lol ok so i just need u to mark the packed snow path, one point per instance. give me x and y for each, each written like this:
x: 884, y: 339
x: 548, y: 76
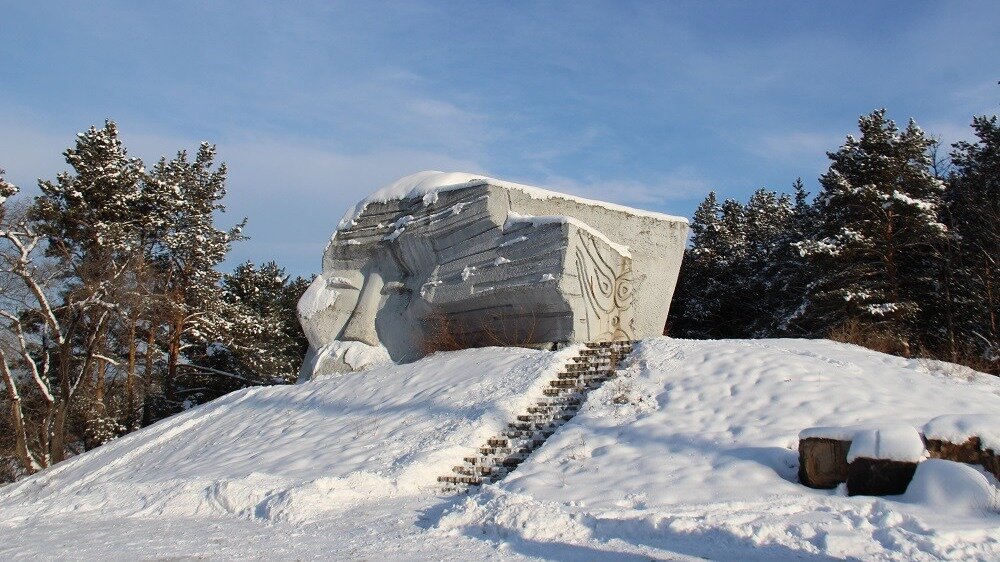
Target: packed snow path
x: 499, y: 455
x: 689, y: 452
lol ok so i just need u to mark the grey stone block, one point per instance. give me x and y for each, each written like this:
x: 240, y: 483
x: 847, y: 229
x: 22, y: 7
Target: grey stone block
x: 491, y: 263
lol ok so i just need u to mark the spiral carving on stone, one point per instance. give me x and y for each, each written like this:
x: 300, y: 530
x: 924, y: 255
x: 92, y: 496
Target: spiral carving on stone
x: 608, y: 288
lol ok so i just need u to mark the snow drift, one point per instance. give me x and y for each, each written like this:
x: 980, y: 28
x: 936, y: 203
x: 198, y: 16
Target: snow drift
x: 690, y: 452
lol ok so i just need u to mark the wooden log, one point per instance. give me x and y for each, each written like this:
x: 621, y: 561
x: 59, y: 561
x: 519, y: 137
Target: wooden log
x: 823, y: 462
x: 970, y: 452
x: 878, y: 477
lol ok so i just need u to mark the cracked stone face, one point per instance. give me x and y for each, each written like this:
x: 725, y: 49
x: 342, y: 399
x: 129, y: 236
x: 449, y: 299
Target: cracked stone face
x: 487, y: 263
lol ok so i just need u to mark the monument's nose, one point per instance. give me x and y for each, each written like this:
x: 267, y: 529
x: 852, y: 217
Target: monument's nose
x: 361, y: 325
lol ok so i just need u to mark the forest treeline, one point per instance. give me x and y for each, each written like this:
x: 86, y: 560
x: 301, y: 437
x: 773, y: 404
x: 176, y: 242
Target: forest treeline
x: 897, y: 252
x: 113, y: 314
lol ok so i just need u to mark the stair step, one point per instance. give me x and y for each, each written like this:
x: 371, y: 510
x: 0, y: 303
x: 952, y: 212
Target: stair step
x: 592, y: 359
x: 585, y: 374
x: 521, y: 426
x: 595, y: 344
x: 519, y: 434
x: 473, y: 470
x: 538, y: 408
x: 565, y: 383
x: 494, y: 451
x: 588, y: 365
x: 605, y: 352
x: 522, y: 437
x: 546, y: 418
x: 553, y: 410
x: 564, y: 401
x: 562, y: 393
x: 473, y: 480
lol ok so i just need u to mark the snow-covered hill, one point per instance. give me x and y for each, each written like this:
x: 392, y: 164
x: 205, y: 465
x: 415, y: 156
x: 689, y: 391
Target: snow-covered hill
x: 691, y: 452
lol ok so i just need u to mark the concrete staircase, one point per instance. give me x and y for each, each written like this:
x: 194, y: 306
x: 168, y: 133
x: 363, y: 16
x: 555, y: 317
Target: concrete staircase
x: 591, y: 367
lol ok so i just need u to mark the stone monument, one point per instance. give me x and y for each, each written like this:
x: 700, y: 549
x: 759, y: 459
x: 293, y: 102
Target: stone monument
x: 449, y: 260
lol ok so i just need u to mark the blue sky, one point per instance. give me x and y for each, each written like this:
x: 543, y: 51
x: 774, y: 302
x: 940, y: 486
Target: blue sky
x: 650, y: 104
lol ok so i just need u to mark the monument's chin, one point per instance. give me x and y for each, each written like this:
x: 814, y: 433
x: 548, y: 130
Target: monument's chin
x: 340, y: 357
x: 429, y: 264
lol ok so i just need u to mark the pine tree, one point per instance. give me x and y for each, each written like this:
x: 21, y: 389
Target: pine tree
x: 878, y: 227
x: 765, y: 267
x: 694, y: 306
x: 7, y: 189
x: 112, y: 262
x: 189, y: 195
x: 90, y: 219
x: 794, y: 276
x: 92, y: 212
x: 729, y: 286
x: 263, y: 341
x: 973, y: 209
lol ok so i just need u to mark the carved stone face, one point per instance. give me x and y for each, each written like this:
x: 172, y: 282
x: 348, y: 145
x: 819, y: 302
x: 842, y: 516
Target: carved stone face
x: 472, y: 266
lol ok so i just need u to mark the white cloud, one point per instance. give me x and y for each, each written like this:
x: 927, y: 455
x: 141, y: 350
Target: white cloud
x: 794, y: 146
x: 678, y: 185
x: 949, y: 132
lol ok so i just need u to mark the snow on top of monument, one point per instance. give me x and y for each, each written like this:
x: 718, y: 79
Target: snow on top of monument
x: 538, y: 220
x: 427, y: 183
x: 958, y: 428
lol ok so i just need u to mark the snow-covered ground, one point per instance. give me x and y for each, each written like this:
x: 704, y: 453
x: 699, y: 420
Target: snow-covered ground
x: 690, y: 453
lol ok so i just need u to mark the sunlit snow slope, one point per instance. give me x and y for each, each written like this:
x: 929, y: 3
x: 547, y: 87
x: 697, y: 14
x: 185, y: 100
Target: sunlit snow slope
x: 691, y: 452
x: 290, y: 452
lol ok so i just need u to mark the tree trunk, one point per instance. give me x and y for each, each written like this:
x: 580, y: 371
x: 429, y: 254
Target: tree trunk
x: 17, y: 420
x: 949, y: 304
x: 150, y: 345
x: 130, y: 395
x: 147, y: 380
x: 58, y: 431
x: 20, y: 437
x: 991, y: 304
x: 173, y: 357
x: 101, y: 373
